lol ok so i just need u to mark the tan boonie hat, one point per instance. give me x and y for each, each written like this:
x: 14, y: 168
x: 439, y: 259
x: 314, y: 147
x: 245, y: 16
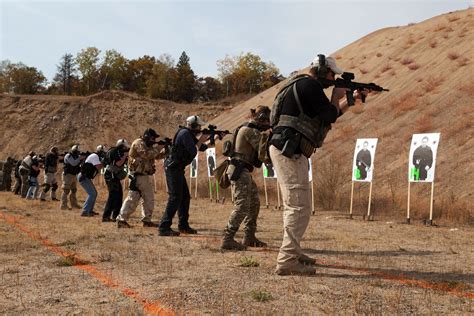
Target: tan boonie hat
x: 330, y: 62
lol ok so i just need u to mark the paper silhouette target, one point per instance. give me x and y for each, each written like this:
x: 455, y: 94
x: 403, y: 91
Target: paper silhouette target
x: 363, y: 163
x: 268, y: 171
x: 422, y: 158
x: 211, y: 161
x: 193, y: 169
x: 310, y: 170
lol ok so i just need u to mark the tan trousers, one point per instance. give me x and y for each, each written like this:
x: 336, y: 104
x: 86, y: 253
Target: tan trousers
x: 293, y: 179
x: 50, y: 182
x: 69, y: 186
x: 145, y: 187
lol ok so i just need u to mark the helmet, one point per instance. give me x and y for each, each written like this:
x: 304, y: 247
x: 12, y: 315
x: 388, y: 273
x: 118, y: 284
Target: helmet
x: 100, y: 148
x: 122, y: 142
x: 75, y: 148
x: 150, y: 133
x: 54, y: 149
x: 194, y: 121
x: 31, y: 154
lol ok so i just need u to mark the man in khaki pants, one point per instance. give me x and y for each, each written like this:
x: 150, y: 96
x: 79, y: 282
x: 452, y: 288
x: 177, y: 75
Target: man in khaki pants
x: 301, y: 117
x: 143, y: 153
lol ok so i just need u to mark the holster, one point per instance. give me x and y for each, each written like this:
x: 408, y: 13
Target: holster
x: 133, y: 183
x: 239, y: 166
x: 288, y: 142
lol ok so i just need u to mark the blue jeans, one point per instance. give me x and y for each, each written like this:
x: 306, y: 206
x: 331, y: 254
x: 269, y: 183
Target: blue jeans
x: 33, y: 186
x: 89, y: 187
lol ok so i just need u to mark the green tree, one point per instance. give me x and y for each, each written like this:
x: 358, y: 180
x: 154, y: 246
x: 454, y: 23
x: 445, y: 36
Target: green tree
x: 21, y: 79
x: 246, y: 73
x: 113, y: 70
x: 185, y: 80
x: 87, y: 63
x: 137, y: 73
x: 65, y: 78
x: 208, y: 89
x: 161, y: 83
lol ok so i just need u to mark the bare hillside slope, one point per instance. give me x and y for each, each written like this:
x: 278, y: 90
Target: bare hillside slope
x: 429, y: 69
x: 38, y: 122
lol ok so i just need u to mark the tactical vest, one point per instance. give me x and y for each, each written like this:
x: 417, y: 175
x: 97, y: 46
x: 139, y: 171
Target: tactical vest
x: 70, y: 169
x: 314, y: 129
x: 242, y: 149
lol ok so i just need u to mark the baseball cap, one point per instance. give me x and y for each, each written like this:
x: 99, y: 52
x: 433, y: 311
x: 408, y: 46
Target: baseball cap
x: 194, y: 119
x: 330, y: 62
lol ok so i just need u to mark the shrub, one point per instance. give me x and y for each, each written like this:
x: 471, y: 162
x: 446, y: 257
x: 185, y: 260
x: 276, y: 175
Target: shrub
x: 413, y: 66
x: 385, y: 68
x: 378, y: 54
x: 406, y: 61
x: 260, y: 295
x: 453, y: 55
x: 432, y: 83
x: 249, y: 262
x: 433, y: 43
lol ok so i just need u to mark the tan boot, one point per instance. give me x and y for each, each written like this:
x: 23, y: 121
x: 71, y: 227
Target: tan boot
x: 304, y: 259
x: 295, y: 268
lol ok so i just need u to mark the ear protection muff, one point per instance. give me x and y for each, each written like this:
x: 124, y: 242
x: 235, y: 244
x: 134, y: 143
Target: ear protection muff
x: 194, y: 125
x: 322, y: 67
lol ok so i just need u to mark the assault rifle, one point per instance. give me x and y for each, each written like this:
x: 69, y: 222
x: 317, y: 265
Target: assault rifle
x: 165, y: 142
x: 346, y: 82
x: 213, y: 132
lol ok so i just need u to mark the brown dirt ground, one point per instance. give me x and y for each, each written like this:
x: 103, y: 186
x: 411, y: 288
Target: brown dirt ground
x: 360, y: 265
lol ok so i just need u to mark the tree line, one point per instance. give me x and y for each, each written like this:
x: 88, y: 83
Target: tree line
x: 90, y: 71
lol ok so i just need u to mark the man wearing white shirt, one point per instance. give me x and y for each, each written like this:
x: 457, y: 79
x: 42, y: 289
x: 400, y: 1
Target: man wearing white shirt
x: 89, y: 170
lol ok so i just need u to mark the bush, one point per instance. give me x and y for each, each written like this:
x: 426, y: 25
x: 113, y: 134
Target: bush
x: 249, y: 262
x: 260, y: 295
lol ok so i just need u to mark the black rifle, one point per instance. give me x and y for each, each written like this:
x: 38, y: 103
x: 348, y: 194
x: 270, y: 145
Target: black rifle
x: 165, y: 142
x: 346, y: 82
x: 213, y: 132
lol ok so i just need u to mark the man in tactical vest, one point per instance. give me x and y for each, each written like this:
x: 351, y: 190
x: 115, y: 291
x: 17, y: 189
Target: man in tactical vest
x: 141, y: 162
x: 115, y: 162
x: 301, y: 117
x: 244, y: 158
x: 24, y: 170
x: 50, y: 168
x: 184, y: 148
x: 72, y: 167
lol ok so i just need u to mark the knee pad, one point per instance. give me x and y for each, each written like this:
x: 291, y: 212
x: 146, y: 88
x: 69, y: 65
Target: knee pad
x: 54, y: 187
x: 46, y: 187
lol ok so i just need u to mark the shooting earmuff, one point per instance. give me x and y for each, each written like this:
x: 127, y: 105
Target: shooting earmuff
x: 322, y: 67
x: 194, y: 124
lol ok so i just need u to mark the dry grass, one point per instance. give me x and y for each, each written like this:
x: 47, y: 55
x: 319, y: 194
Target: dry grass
x: 463, y: 61
x: 249, y: 262
x: 433, y: 43
x: 453, y: 18
x: 385, y: 68
x: 432, y: 83
x: 403, y: 104
x: 413, y: 66
x: 439, y: 27
x: 363, y: 71
x: 423, y: 124
x: 406, y: 61
x: 453, y: 55
x: 379, y: 55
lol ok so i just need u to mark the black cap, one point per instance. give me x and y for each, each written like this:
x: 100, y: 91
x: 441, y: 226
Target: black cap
x: 150, y: 133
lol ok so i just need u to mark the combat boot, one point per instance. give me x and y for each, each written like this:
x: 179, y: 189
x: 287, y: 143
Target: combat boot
x: 295, y: 268
x: 229, y: 243
x: 304, y: 259
x: 250, y: 240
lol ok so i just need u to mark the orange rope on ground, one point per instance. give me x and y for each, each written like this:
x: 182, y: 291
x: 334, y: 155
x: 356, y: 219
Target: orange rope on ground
x: 152, y: 308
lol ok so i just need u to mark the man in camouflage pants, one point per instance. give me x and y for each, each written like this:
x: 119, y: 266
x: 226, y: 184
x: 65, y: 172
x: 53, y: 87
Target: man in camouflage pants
x: 246, y: 199
x: 143, y: 153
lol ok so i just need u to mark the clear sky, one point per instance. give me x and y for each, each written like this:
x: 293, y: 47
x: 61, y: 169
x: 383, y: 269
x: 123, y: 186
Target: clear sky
x: 289, y: 33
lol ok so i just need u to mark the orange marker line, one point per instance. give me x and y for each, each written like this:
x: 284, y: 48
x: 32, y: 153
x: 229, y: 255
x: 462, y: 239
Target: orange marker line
x: 151, y: 308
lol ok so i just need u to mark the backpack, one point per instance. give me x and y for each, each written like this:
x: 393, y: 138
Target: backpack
x: 228, y: 147
x: 278, y: 102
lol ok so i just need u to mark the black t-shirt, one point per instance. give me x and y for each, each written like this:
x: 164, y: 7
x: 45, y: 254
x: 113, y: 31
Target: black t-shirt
x: 33, y: 172
x: 313, y: 100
